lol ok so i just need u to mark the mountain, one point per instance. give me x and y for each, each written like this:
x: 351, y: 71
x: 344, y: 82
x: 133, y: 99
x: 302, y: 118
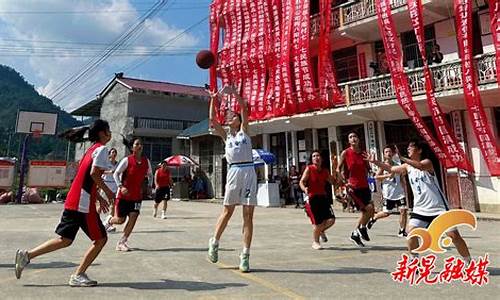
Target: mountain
x: 17, y: 94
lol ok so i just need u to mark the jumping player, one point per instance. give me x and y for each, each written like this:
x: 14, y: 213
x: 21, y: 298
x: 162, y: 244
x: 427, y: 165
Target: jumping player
x: 393, y: 192
x: 318, y: 207
x: 163, y: 182
x: 129, y: 176
x: 429, y: 200
x: 241, y: 185
x: 80, y: 209
x: 354, y: 169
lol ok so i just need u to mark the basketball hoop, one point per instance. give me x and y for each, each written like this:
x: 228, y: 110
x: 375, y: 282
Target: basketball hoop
x: 36, y: 134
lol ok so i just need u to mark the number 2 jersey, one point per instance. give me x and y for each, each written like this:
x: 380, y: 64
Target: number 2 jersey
x: 428, y: 199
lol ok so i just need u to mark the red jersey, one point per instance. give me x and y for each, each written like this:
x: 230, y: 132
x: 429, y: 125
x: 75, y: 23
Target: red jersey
x: 83, y: 191
x: 133, y: 178
x: 162, y: 177
x: 357, y: 171
x: 317, y: 181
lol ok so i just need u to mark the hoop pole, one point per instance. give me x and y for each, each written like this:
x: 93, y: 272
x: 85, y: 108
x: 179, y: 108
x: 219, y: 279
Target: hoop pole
x: 22, y: 171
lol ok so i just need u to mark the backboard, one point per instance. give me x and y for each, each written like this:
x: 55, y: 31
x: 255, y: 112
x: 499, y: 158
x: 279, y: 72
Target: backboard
x: 40, y: 122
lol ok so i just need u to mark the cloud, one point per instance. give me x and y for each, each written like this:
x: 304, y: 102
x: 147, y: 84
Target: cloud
x: 47, y: 73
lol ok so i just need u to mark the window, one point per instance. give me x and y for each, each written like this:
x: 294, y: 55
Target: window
x: 411, y: 53
x: 207, y: 156
x: 346, y: 64
x: 157, y: 149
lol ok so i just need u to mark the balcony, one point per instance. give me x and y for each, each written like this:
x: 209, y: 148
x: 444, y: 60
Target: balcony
x: 447, y: 78
x: 152, y: 123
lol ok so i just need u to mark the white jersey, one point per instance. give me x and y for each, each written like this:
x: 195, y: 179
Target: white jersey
x: 238, y: 148
x: 392, y: 189
x: 108, y: 178
x: 428, y: 199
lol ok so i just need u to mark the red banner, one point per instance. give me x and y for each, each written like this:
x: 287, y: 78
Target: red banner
x: 399, y: 79
x: 495, y: 32
x: 215, y: 12
x: 273, y: 95
x: 475, y: 109
x: 286, y: 104
x: 329, y: 92
x: 448, y: 140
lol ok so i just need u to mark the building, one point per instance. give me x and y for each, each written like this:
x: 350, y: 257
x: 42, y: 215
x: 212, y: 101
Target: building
x: 154, y: 111
x: 371, y: 108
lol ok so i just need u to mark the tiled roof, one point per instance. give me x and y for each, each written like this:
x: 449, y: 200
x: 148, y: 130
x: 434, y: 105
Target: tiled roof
x: 164, y: 86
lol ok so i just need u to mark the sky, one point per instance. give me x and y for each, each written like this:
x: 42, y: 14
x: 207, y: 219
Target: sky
x: 50, y: 42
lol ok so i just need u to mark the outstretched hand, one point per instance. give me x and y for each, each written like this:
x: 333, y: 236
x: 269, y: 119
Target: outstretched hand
x: 369, y: 157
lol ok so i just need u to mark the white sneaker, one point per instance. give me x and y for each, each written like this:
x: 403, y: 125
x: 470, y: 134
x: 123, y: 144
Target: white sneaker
x: 22, y: 260
x: 316, y: 246
x: 122, y: 246
x: 107, y: 225
x: 163, y: 215
x: 81, y: 280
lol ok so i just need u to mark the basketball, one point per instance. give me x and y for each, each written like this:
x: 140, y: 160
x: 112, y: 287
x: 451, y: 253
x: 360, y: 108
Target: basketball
x: 205, y: 59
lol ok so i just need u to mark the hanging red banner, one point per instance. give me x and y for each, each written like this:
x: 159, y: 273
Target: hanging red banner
x: 495, y: 32
x: 400, y: 80
x: 329, y: 92
x: 259, y: 63
x: 273, y: 95
x: 215, y: 10
x: 448, y: 140
x: 475, y: 109
x: 286, y: 105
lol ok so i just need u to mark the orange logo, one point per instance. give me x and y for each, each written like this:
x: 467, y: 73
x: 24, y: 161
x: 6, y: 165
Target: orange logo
x: 430, y: 238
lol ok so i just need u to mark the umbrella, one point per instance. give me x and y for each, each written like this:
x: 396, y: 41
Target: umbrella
x: 261, y: 157
x: 180, y: 160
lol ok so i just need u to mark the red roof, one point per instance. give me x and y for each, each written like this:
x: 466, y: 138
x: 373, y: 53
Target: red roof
x: 164, y: 86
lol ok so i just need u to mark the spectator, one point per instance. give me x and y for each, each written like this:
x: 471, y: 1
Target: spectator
x: 294, y: 178
x: 285, y: 188
x: 6, y: 196
x: 435, y: 56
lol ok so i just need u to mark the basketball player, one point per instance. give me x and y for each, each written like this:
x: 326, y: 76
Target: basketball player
x: 429, y: 200
x: 163, y: 182
x: 393, y: 192
x: 80, y: 209
x: 318, y: 208
x: 353, y: 170
x: 110, y: 181
x: 241, y: 184
x: 129, y: 176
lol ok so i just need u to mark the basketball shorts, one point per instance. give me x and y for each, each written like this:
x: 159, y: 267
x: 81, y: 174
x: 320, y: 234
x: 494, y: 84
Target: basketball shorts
x: 241, y: 185
x: 72, y: 221
x: 124, y: 207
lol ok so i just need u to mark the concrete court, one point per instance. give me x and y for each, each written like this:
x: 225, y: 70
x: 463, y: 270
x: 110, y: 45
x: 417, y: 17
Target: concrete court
x: 169, y: 259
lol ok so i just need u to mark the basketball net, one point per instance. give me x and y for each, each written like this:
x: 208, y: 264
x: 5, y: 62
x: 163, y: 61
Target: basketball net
x: 37, y: 134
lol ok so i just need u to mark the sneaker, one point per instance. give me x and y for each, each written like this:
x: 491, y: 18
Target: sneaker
x: 108, y: 225
x: 163, y: 215
x: 245, y: 263
x: 370, y: 223
x: 323, y: 238
x: 81, y: 280
x: 122, y: 246
x: 316, y: 246
x: 402, y: 233
x: 22, y: 259
x: 356, y: 239
x: 111, y: 229
x: 213, y: 251
x: 364, y: 233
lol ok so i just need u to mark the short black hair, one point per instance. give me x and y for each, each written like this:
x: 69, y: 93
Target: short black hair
x: 388, y: 146
x: 112, y: 149
x: 312, y: 153
x: 96, y: 127
x: 421, y: 146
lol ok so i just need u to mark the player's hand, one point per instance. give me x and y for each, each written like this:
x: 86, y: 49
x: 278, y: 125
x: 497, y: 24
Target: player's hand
x: 124, y: 190
x: 103, y: 206
x: 396, y: 150
x: 110, y: 196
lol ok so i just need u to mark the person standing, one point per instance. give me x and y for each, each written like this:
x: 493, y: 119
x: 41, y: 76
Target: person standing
x: 314, y: 183
x: 129, y: 177
x: 353, y: 170
x: 110, y: 181
x: 163, y: 183
x: 429, y: 201
x: 393, y: 192
x: 241, y: 184
x: 80, y: 210
x: 294, y: 178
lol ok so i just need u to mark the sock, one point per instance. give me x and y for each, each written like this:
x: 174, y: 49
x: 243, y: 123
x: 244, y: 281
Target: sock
x: 355, y: 232
x: 246, y: 251
x: 413, y: 255
x: 467, y: 260
x: 122, y: 240
x: 214, y: 241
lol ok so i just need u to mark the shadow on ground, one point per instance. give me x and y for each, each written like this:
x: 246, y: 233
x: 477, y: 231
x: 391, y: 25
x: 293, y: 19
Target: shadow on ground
x: 163, y: 284
x: 179, y: 250
x: 49, y: 265
x: 348, y: 270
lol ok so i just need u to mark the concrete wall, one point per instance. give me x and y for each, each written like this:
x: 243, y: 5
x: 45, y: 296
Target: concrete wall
x: 167, y: 107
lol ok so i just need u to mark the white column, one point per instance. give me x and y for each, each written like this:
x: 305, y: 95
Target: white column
x: 286, y: 153
x: 381, y: 138
x: 315, y: 138
x: 266, y: 146
x: 295, y: 150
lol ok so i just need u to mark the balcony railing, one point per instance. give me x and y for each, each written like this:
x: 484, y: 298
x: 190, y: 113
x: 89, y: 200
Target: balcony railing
x: 351, y: 13
x: 447, y: 76
x: 151, y: 123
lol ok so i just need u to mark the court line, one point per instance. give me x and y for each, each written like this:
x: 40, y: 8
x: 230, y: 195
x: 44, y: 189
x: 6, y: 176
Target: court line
x: 279, y: 289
